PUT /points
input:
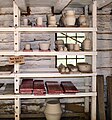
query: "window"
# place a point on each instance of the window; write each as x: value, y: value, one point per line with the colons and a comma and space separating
x: 70, y: 38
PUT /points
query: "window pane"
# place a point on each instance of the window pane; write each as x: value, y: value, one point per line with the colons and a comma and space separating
x: 81, y: 34
x: 69, y: 40
x: 71, y: 61
x: 80, y: 56
x: 71, y: 56
x: 80, y: 39
x: 60, y: 35
x: 61, y: 56
x: 59, y: 61
x: 80, y: 60
x: 71, y: 34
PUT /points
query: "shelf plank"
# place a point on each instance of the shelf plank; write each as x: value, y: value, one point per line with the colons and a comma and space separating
x: 7, y: 29
x: 56, y: 29
x: 48, y: 53
x: 89, y: 94
x: 7, y: 75
x: 49, y: 75
x: 53, y: 53
x: 7, y: 52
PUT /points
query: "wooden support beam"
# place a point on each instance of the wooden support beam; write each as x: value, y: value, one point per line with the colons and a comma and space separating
x: 61, y: 5
x: 100, y: 98
x: 21, y: 4
x: 104, y: 4
x: 109, y: 97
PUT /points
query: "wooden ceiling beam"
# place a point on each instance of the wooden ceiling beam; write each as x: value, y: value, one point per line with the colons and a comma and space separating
x: 61, y: 5
x: 104, y: 4
x: 21, y: 4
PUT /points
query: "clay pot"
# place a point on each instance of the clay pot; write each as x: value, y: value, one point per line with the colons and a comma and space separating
x: 82, y: 19
x: 84, y: 67
x: 87, y: 44
x: 69, y: 18
x: 53, y: 110
x: 52, y: 20
x: 44, y: 45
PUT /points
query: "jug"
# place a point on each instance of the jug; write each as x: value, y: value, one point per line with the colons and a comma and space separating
x: 69, y: 18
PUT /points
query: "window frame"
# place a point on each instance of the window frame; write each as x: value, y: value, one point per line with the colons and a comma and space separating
x: 75, y: 41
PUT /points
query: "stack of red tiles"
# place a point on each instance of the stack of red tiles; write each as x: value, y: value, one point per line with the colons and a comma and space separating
x: 53, y: 87
x: 26, y: 86
x: 69, y: 87
x: 39, y: 88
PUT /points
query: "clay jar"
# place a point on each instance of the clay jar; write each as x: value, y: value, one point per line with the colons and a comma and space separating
x: 53, y: 110
x: 27, y: 46
x: 52, y: 20
x: 44, y: 45
x: 69, y: 18
x: 82, y: 20
x: 87, y: 44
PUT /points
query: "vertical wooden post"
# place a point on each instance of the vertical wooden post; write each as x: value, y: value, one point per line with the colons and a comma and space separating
x: 17, y: 109
x: 100, y: 98
x: 16, y: 13
x: 109, y: 97
x: 94, y: 21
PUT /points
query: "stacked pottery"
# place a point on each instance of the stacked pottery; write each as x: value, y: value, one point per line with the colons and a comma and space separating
x: 53, y: 110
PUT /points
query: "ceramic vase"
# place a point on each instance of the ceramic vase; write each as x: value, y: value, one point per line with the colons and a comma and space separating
x: 53, y: 110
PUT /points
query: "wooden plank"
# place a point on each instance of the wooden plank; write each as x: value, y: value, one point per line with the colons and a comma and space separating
x: 21, y: 4
x: 9, y: 89
x: 104, y: 4
x: 100, y: 98
x: 109, y: 97
x: 60, y: 5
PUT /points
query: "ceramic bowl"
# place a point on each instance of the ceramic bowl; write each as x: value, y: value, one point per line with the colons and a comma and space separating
x: 84, y: 67
x: 44, y: 46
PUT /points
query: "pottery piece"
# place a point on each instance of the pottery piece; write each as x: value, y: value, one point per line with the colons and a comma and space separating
x: 27, y: 46
x: 44, y: 45
x: 53, y: 110
x: 69, y: 18
x: 59, y: 42
x: 52, y: 20
x: 76, y: 47
x: 87, y: 44
x: 83, y: 20
x: 39, y: 21
x: 70, y: 47
x: 84, y: 67
x: 25, y: 22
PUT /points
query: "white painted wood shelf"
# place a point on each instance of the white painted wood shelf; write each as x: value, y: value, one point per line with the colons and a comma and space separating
x: 23, y: 96
x: 56, y: 29
x: 47, y: 53
x: 17, y: 30
x: 56, y: 75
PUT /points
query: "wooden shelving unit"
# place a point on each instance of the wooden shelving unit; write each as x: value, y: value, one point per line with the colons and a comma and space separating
x: 17, y: 75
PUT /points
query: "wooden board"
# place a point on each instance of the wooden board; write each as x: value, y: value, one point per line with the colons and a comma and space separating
x: 9, y: 89
x: 109, y: 97
x: 100, y: 98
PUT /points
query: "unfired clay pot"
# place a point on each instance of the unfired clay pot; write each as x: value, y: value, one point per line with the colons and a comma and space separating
x: 53, y: 110
x: 69, y: 18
